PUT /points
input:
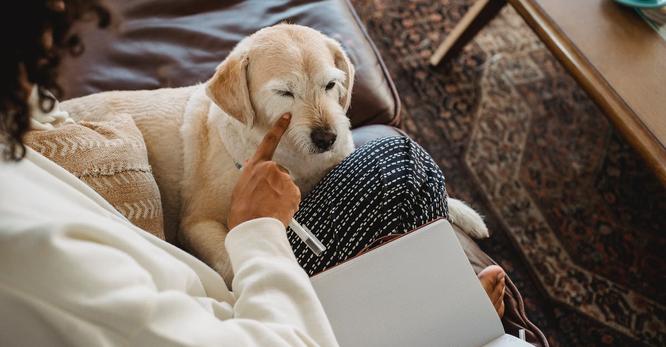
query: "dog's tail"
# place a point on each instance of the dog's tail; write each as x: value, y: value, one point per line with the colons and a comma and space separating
x: 468, y: 220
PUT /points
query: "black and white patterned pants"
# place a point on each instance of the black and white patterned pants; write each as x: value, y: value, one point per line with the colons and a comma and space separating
x: 389, y: 186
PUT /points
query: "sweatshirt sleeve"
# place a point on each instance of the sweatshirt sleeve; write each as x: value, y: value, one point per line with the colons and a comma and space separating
x: 269, y: 284
x: 77, y: 284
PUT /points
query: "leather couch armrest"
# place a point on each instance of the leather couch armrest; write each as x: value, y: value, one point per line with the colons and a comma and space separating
x: 367, y: 133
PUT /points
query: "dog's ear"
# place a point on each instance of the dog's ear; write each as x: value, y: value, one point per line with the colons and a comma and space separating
x: 229, y: 89
x: 343, y: 63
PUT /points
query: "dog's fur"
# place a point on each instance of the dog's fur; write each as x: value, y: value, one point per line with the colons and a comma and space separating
x: 196, y: 135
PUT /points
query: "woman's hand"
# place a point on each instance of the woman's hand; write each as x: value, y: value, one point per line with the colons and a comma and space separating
x: 264, y: 188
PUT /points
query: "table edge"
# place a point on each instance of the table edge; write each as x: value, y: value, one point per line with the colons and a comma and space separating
x: 616, y: 109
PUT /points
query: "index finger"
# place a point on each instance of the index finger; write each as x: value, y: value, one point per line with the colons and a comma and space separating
x: 271, y: 140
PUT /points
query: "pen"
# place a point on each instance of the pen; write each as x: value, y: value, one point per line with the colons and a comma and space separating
x: 307, y: 237
x: 303, y: 232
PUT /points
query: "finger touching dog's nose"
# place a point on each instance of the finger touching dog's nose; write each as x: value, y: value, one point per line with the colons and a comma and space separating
x: 323, y: 138
x: 272, y: 139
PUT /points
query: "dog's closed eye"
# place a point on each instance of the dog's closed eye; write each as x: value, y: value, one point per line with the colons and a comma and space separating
x: 285, y: 93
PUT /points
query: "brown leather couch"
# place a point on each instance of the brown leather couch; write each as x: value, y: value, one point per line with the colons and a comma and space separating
x: 171, y: 43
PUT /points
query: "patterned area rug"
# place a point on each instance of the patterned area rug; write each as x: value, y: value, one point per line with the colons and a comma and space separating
x: 578, y: 218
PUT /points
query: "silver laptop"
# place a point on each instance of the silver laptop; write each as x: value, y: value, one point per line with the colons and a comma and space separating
x: 418, y: 290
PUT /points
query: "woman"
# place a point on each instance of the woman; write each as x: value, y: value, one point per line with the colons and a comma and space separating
x: 74, y: 272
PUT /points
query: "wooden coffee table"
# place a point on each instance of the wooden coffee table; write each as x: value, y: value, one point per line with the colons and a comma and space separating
x: 613, y: 54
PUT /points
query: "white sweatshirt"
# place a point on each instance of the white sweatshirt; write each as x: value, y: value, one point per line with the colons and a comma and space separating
x: 74, y: 272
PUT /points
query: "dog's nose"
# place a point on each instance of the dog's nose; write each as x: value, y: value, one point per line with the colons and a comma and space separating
x: 323, y: 138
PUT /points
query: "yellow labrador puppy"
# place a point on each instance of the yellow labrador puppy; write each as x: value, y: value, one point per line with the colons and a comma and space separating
x: 198, y: 136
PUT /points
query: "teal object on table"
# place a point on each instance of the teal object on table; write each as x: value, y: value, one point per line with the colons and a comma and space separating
x: 643, y: 3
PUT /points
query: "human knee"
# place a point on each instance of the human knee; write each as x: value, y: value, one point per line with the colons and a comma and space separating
x: 401, y: 159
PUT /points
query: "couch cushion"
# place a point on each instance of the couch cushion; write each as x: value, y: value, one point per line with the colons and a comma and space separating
x: 172, y: 43
x: 110, y: 157
x: 367, y: 133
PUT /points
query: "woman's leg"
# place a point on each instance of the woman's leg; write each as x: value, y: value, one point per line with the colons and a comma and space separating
x: 388, y: 186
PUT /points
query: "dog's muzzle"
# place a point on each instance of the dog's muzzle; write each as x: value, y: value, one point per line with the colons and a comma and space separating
x: 323, y: 139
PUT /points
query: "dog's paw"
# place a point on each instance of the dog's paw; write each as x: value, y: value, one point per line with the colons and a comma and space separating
x: 468, y: 220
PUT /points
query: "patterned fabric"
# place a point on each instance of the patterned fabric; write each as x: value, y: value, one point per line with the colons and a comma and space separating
x: 389, y: 186
x: 111, y: 158
x: 577, y: 217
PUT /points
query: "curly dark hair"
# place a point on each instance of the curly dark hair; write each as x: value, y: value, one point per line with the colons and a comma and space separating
x: 30, y: 57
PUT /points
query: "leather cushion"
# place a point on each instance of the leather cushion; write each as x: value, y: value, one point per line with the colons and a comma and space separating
x: 173, y: 43
x: 365, y: 134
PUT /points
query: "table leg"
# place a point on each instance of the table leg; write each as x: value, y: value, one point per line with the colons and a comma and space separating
x: 482, y: 12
